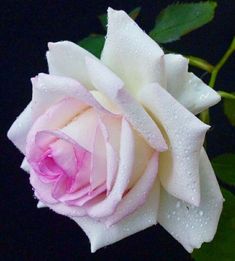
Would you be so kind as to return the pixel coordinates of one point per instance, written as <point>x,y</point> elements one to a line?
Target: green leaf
<point>229,109</point>
<point>93,43</point>
<point>179,19</point>
<point>133,14</point>
<point>224,166</point>
<point>222,246</point>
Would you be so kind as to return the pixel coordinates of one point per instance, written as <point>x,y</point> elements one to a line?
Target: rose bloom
<point>114,143</point>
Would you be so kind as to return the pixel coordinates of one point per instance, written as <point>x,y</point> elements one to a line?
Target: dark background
<point>27,233</point>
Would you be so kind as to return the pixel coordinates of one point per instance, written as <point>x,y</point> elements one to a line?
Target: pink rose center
<point>63,163</point>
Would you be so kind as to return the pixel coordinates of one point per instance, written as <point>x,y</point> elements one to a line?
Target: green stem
<point>226,95</point>
<point>200,63</point>
<point>205,115</point>
<point>220,64</point>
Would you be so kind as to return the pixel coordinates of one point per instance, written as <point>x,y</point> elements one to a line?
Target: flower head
<point>115,144</point>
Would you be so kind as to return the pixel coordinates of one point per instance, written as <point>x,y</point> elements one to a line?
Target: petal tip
<point>50,45</point>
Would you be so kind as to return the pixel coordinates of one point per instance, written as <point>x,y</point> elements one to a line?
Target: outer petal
<point>137,196</point>
<point>187,88</point>
<point>108,83</point>
<point>49,89</point>
<point>68,59</point>
<point>19,129</point>
<point>131,53</point>
<point>56,116</point>
<point>141,219</point>
<point>179,168</point>
<point>190,225</point>
<point>25,165</point>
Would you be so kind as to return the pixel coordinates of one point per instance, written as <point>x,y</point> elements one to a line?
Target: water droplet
<point>178,204</point>
<point>201,213</point>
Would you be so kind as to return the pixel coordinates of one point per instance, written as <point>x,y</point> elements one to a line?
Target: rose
<point>96,131</point>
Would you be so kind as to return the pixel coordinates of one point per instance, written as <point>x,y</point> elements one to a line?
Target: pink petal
<point>42,189</point>
<point>82,178</point>
<point>84,170</point>
<point>55,117</point>
<point>82,161</point>
<point>108,83</point>
<point>64,155</point>
<point>108,205</point>
<point>137,196</point>
<point>43,192</point>
<point>75,195</point>
<point>60,187</point>
<point>179,168</point>
<point>89,196</point>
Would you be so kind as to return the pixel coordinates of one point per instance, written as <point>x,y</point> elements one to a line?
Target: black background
<point>27,233</point>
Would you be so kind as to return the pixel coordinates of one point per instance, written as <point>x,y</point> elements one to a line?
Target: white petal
<point>179,166</point>
<point>68,59</point>
<point>25,165</point>
<point>100,236</point>
<point>131,53</point>
<point>82,129</point>
<point>108,83</point>
<point>19,129</point>
<point>49,89</point>
<point>137,195</point>
<point>176,69</point>
<point>187,88</point>
<point>41,205</point>
<point>190,225</point>
<point>105,102</point>
<point>125,169</point>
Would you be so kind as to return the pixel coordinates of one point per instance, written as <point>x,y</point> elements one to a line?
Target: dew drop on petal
<point>178,204</point>
<point>201,213</point>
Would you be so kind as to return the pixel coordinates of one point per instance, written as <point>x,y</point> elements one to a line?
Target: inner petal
<point>64,156</point>
<point>99,166</point>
